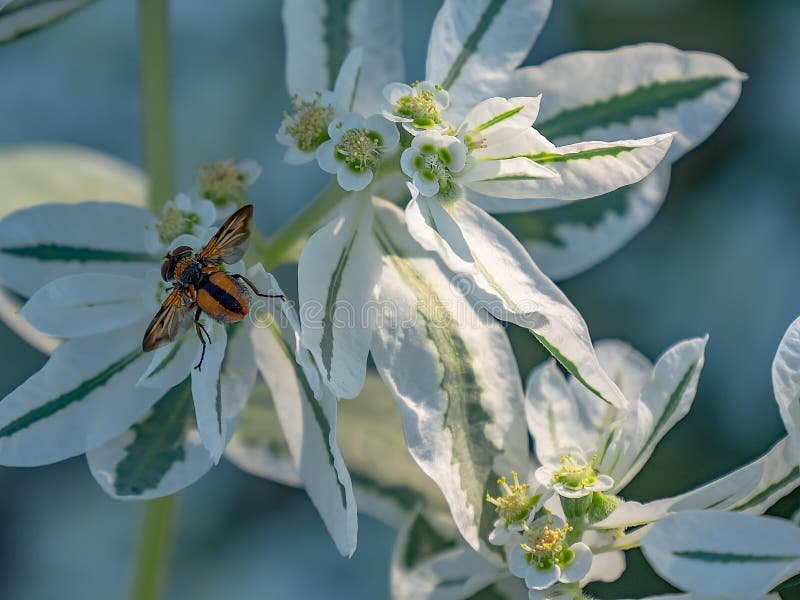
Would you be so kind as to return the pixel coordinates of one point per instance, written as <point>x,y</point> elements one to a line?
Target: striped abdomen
<point>223,298</point>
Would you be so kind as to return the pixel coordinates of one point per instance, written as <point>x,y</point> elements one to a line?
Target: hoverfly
<point>199,284</point>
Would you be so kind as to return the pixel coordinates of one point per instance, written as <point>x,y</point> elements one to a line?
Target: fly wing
<point>230,243</point>
<point>170,320</point>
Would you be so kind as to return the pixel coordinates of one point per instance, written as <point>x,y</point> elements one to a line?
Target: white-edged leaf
<point>451,370</point>
<point>86,304</point>
<point>584,170</point>
<point>504,280</point>
<point>752,488</point>
<point>207,390</point>
<point>163,452</point>
<point>44,242</point>
<point>786,380</point>
<point>20,17</point>
<point>84,396</point>
<point>568,239</point>
<point>631,92</point>
<point>320,33</point>
<point>337,273</point>
<point>664,400</point>
<point>307,412</point>
<point>475,45</point>
<point>431,563</point>
<point>722,554</point>
<point>159,455</point>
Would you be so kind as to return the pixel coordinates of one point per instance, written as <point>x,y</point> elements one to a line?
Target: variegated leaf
<point>451,369</point>
<point>21,17</point>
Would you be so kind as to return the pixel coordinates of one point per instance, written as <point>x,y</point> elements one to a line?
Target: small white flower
<point>181,216</point>
<point>433,162</point>
<point>418,106</point>
<point>356,147</point>
<point>225,183</point>
<point>544,558</point>
<point>303,130</point>
<point>570,475</point>
<point>516,509</point>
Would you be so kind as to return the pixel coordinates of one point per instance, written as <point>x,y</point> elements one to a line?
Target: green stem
<point>155,542</point>
<point>155,547</point>
<point>154,56</point>
<point>285,245</point>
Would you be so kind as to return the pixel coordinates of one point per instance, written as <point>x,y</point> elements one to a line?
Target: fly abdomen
<point>223,298</point>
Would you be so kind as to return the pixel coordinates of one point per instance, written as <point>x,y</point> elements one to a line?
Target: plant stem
<point>154,57</point>
<point>155,547</point>
<point>155,537</point>
<point>284,245</point>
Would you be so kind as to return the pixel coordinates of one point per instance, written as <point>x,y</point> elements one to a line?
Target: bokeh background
<point>722,258</point>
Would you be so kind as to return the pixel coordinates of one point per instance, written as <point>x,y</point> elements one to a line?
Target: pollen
<point>421,107</point>
<point>175,222</point>
<point>545,546</point>
<point>515,504</point>
<point>222,182</point>
<point>360,149</point>
<point>309,123</point>
<point>575,474</point>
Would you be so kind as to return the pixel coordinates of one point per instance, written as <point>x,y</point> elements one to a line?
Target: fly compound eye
<point>165,270</point>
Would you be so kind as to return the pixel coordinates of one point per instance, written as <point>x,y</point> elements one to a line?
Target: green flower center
<point>515,504</point>
<point>574,475</point>
<point>545,547</point>
<point>309,123</point>
<point>421,108</point>
<point>175,222</point>
<point>223,183</point>
<point>360,149</point>
<point>433,164</point>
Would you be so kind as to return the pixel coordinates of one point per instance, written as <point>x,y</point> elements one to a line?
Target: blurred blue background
<point>721,258</point>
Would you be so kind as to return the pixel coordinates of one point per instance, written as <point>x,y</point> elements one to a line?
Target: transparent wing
<point>230,243</point>
<point>170,320</point>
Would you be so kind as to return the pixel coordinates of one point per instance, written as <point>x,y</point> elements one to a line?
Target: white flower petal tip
<point>579,566</point>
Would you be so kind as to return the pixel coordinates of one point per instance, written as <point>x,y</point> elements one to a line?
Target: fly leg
<point>200,329</point>
<point>253,287</point>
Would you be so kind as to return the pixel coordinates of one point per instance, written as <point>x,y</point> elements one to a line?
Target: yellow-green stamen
<point>360,149</point>
<point>573,475</point>
<point>309,123</point>
<point>515,505</point>
<point>546,547</point>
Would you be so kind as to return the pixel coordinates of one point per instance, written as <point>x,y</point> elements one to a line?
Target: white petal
<point>84,396</point>
<point>693,92</point>
<point>426,188</point>
<point>392,92</point>
<point>603,484</point>
<point>509,285</point>
<point>407,161</point>
<point>387,130</point>
<point>206,392</point>
<point>307,413</point>
<point>48,241</point>
<point>458,153</point>
<point>337,271</point>
<point>351,181</point>
<point>431,346</point>
<point>295,156</point>
<point>722,554</point>
<point>539,579</point>
<point>580,565</point>
<point>85,304</point>
<point>499,536</point>
<point>569,493</point>
<point>544,475</point>
<point>606,567</point>
<point>326,157</point>
<point>500,35</point>
<point>517,563</point>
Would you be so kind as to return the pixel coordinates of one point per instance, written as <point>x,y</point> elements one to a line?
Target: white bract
<point>355,148</point>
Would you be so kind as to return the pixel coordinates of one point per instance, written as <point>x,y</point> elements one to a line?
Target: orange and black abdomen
<point>223,298</point>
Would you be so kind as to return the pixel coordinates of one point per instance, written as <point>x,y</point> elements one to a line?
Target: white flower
<point>544,558</point>
<point>356,147</point>
<point>304,129</point>
<point>418,106</point>
<point>571,475</point>
<point>225,183</point>
<point>181,216</point>
<point>516,509</point>
<point>433,162</point>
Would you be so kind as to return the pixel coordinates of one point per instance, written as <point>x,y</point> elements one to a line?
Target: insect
<point>199,285</point>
